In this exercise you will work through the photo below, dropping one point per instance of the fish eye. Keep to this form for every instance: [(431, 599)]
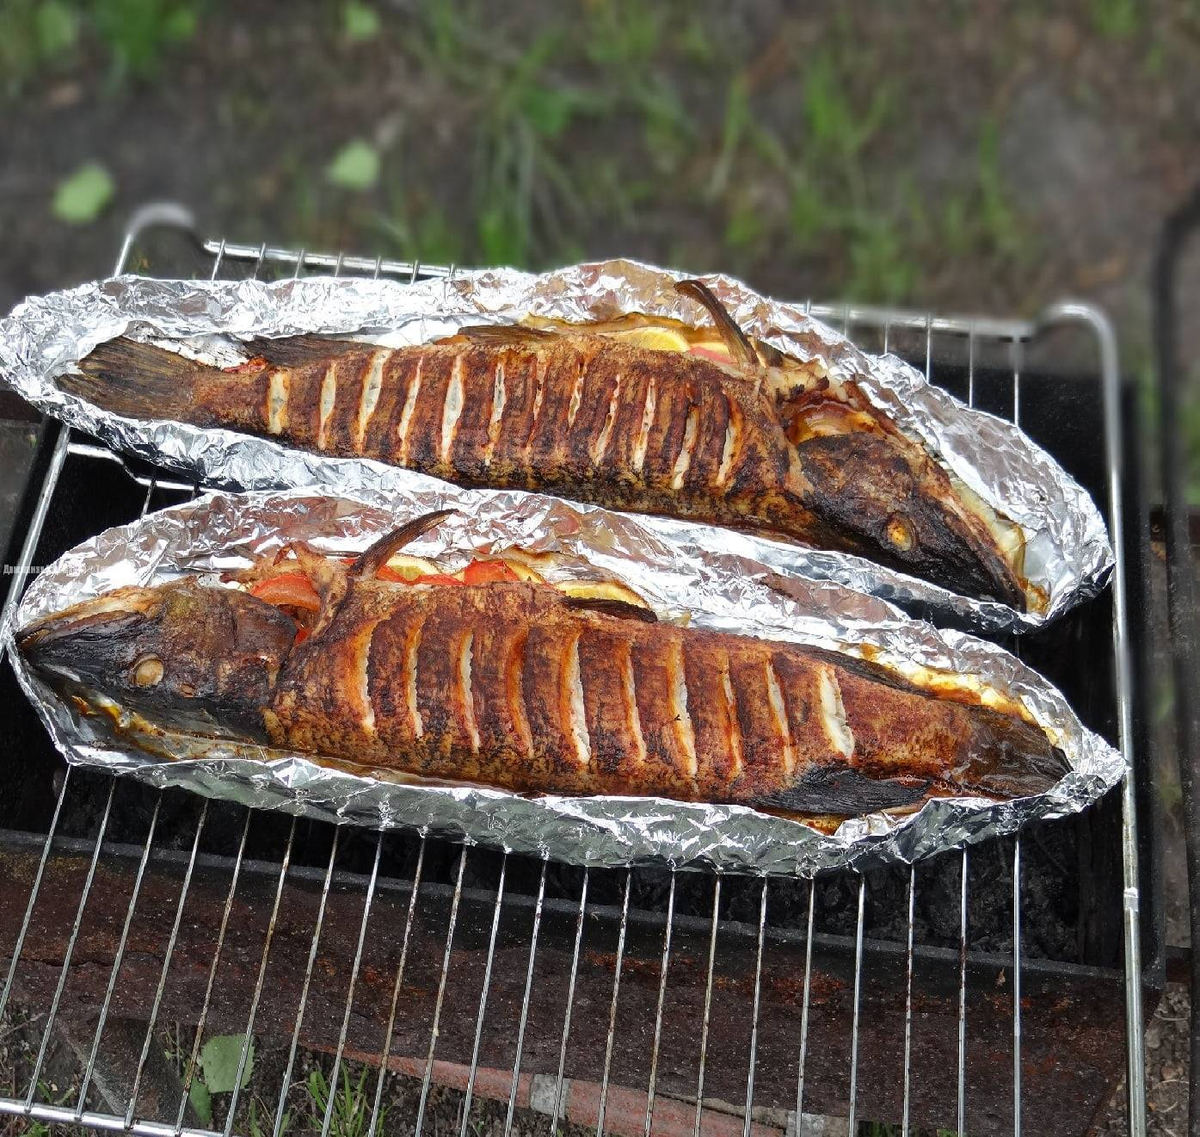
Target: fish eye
[(900, 532), (148, 671)]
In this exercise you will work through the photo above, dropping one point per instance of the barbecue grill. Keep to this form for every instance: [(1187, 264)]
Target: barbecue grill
[(992, 989)]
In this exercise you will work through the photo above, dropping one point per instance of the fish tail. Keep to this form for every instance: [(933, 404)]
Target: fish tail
[(137, 380)]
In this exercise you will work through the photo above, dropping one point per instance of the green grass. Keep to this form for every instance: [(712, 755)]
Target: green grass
[(36, 37), (536, 193), (47, 37), (350, 1113), (651, 121), (1116, 19)]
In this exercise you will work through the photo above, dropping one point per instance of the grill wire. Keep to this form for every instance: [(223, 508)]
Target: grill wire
[(137, 1117)]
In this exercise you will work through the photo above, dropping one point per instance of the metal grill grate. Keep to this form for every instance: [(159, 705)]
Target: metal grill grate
[(563, 989)]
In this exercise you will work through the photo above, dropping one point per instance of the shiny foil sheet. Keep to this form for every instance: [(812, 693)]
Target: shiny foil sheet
[(1068, 553), (715, 589)]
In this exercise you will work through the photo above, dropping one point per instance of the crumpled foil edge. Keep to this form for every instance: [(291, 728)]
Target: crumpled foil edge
[(1068, 552), (715, 588)]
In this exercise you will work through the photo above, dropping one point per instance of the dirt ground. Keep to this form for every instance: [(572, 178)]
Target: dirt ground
[(971, 158)]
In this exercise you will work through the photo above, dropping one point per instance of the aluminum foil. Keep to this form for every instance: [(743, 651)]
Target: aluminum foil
[(1068, 553), (712, 589)]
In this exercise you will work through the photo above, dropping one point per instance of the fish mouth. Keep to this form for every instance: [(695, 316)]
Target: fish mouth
[(92, 641)]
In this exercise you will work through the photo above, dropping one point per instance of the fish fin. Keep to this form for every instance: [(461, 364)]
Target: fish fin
[(843, 790), (373, 559), (328, 576), (292, 351), (736, 343), (501, 334), (608, 607), (136, 379)]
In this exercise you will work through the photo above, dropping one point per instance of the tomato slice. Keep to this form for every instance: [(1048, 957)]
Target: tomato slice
[(301, 635), (289, 589), (436, 578), (386, 572), (709, 353), (488, 572)]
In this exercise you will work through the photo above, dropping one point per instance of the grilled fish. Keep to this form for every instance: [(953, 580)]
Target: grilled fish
[(493, 677), (641, 414)]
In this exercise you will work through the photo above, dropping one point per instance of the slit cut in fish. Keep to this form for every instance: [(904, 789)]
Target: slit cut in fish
[(329, 387), (576, 394), (643, 434), (685, 732), (779, 713), (833, 713), (684, 461), (412, 646), (539, 394), (277, 401), (362, 671), (576, 715), (514, 668), (372, 384), (729, 451), (632, 717), (736, 761), (497, 412), (452, 408), (600, 447), (465, 691), (406, 413)]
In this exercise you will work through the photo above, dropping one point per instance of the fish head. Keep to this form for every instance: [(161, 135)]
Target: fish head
[(182, 654), (885, 498)]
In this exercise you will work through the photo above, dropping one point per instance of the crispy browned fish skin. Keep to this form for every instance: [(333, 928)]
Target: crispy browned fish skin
[(507, 685), (516, 686), (591, 418)]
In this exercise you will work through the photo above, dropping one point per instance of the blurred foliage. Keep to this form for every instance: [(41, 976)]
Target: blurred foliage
[(82, 196), (1116, 19), (46, 37), (355, 166), (360, 22), (610, 116)]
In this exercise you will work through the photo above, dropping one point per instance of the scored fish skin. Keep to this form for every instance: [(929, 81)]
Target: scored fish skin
[(782, 449), (575, 413), (517, 686), (507, 686)]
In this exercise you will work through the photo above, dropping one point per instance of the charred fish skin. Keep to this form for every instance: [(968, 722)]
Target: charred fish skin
[(597, 419)]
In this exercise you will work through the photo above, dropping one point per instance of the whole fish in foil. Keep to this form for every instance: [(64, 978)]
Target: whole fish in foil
[(495, 675), (637, 413)]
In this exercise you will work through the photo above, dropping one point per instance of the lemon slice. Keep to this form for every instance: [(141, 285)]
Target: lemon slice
[(412, 567), (523, 571), (600, 590), (653, 338)]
